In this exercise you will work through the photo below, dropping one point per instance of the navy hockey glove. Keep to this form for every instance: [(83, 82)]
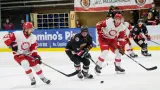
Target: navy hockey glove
[(38, 59), (85, 53), (88, 56), (14, 46)]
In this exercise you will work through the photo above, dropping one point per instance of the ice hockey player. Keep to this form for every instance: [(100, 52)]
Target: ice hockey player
[(77, 50), (23, 44), (111, 35), (139, 33), (128, 45)]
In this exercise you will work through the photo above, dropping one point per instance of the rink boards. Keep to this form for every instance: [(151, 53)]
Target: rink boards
[(56, 39)]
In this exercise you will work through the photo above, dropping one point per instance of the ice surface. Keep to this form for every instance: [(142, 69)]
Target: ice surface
[(12, 76)]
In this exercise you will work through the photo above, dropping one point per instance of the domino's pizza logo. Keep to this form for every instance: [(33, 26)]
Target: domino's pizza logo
[(85, 4), (140, 2)]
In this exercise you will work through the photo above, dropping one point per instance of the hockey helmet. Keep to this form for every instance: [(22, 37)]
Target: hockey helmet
[(118, 16), (140, 21), (84, 29), (27, 25)]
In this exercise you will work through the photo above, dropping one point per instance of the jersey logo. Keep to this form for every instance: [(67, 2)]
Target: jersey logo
[(112, 32), (77, 39), (135, 29), (25, 45)]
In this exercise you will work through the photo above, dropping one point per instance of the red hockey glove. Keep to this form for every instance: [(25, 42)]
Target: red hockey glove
[(148, 37)]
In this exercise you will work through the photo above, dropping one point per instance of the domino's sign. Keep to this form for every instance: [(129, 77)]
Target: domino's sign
[(50, 38)]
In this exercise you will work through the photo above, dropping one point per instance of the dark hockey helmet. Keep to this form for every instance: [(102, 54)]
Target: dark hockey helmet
[(84, 29), (140, 21)]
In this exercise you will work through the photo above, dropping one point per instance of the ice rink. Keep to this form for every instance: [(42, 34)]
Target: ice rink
[(12, 76)]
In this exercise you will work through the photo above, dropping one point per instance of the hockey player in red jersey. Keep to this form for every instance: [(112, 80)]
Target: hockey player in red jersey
[(24, 45), (111, 35), (128, 46)]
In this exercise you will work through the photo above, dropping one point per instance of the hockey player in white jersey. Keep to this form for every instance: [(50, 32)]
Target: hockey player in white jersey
[(111, 35), (24, 45), (128, 45)]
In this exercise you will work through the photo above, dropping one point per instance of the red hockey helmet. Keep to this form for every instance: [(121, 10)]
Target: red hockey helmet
[(27, 25), (118, 16)]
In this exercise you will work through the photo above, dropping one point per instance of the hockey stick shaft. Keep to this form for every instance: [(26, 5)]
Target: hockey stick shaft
[(148, 69), (68, 75), (155, 42), (96, 63)]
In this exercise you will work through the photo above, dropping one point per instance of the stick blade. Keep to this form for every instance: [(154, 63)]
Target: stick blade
[(152, 68), (72, 74)]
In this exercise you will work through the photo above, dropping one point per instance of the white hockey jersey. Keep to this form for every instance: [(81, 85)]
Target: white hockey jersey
[(111, 31), (26, 44)]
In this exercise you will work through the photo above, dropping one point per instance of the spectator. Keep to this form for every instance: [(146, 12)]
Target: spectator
[(112, 11), (150, 19), (135, 16), (7, 25), (154, 11)]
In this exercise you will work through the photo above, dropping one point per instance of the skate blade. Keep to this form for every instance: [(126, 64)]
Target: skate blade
[(81, 79), (98, 74), (118, 72), (88, 78), (33, 86)]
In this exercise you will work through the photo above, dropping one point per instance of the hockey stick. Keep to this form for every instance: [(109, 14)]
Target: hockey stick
[(148, 69), (155, 42), (68, 75), (96, 63)]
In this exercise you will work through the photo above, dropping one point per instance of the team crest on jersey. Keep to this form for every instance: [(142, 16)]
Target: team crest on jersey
[(85, 4), (112, 32), (25, 45), (77, 39), (140, 2), (135, 29)]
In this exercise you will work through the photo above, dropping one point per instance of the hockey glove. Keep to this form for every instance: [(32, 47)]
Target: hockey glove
[(85, 53), (38, 59), (148, 37), (140, 36), (82, 53), (121, 50), (88, 56), (14, 46)]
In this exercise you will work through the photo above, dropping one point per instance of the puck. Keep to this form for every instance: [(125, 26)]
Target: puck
[(102, 81)]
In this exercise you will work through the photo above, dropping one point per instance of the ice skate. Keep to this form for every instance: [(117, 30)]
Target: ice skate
[(87, 75), (118, 69), (79, 75), (33, 81), (145, 53), (133, 55), (45, 80), (97, 70)]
